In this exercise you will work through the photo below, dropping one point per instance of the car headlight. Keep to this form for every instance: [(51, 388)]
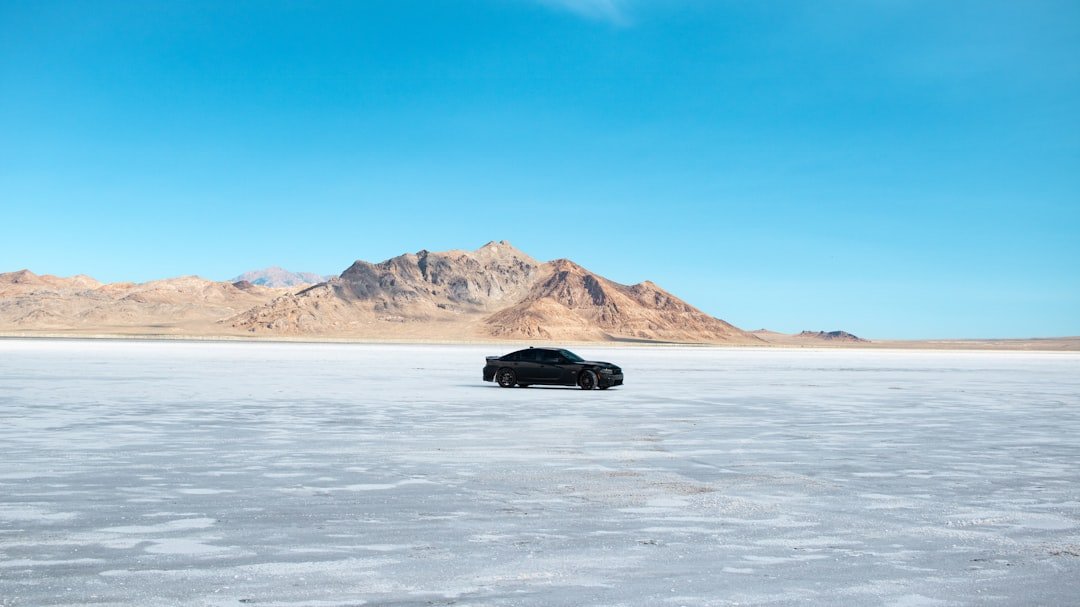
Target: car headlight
[(606, 371)]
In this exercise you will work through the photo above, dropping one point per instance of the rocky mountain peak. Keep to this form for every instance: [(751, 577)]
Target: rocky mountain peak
[(278, 277), (19, 277), (569, 301), (565, 265), (447, 280), (25, 279), (831, 336), (501, 250), (493, 291)]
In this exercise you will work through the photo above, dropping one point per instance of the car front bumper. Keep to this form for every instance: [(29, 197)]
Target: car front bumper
[(607, 381)]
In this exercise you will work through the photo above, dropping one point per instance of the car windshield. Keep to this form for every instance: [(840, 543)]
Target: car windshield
[(574, 358)]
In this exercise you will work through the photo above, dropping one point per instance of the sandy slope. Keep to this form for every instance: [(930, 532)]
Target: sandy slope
[(188, 305), (569, 302)]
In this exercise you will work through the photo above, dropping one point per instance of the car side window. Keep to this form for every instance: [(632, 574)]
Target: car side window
[(550, 357), (526, 356)]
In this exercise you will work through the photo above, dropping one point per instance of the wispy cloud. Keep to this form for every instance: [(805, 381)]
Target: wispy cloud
[(612, 11)]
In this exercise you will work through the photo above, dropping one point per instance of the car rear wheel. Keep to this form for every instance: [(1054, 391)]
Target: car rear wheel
[(587, 381), (506, 378)]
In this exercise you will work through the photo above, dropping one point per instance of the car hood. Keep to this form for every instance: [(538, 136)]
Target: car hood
[(597, 363)]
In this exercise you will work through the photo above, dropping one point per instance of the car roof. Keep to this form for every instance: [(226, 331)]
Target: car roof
[(532, 349)]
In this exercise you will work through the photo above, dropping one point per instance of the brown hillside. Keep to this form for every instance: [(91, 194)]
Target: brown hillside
[(81, 304), (494, 292), (447, 290), (570, 303)]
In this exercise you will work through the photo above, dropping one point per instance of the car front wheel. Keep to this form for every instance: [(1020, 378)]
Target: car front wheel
[(587, 381), (506, 378)]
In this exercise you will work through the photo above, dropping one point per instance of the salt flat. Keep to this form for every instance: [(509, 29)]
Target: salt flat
[(142, 473)]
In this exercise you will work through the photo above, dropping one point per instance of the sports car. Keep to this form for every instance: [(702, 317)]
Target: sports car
[(550, 366)]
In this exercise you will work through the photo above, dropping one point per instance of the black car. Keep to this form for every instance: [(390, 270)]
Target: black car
[(550, 366)]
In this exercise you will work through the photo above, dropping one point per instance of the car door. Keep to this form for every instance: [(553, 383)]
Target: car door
[(526, 368), (549, 366)]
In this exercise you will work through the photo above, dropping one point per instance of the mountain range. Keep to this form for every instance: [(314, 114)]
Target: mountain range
[(495, 292), (810, 338), (275, 277), (187, 305)]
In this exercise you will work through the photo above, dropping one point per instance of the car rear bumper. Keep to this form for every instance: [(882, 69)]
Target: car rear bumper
[(489, 373)]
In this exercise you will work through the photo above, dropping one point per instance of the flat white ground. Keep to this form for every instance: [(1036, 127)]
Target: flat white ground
[(141, 473)]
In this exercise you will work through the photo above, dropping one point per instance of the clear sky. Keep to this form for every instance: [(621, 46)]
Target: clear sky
[(893, 168)]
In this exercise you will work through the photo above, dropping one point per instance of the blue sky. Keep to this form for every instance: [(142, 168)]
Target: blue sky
[(892, 168)]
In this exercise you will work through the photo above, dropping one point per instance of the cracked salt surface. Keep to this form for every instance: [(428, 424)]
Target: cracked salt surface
[(138, 473)]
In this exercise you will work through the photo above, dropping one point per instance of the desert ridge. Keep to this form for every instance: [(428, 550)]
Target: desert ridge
[(569, 302), (812, 338), (496, 292), (492, 294), (183, 306), (276, 278)]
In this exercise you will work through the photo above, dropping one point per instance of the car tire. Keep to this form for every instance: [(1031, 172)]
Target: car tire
[(604, 387), (587, 380), (505, 378)]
